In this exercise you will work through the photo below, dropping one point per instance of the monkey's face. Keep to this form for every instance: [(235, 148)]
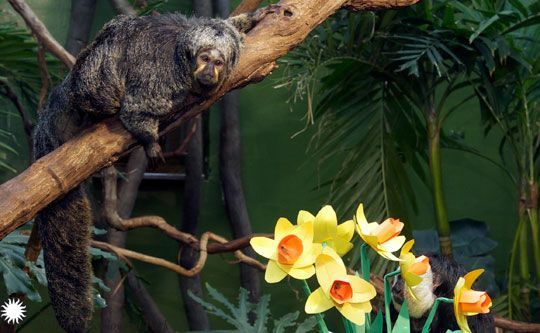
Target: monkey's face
[(423, 298), (209, 69)]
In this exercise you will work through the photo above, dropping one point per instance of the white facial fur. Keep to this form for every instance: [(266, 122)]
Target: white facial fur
[(424, 296)]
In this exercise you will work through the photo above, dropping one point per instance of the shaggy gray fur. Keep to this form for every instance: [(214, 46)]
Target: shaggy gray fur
[(140, 68)]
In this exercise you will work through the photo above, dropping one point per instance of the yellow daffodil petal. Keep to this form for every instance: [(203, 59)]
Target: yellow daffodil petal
[(388, 255), (283, 228), (342, 246), (346, 230), (363, 291), (354, 312), (471, 277), (302, 273), (318, 302), (328, 269), (460, 317), (304, 232), (407, 247), (266, 247), (273, 272), (393, 244), (411, 279), (304, 216), (332, 253), (308, 257), (360, 216), (370, 240), (325, 224)]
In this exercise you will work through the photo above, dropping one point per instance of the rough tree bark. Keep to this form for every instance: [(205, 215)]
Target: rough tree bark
[(153, 317), (230, 174), (112, 315), (195, 312)]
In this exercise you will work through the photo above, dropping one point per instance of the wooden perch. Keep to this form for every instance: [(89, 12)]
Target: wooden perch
[(52, 176)]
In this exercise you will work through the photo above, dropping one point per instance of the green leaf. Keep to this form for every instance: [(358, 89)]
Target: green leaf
[(530, 21), (377, 325), (308, 325), (402, 324), (483, 26), (16, 280), (287, 320)]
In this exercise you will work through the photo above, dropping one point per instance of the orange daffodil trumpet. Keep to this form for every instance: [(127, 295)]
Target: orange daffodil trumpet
[(412, 268), (349, 294), (291, 252), (326, 229), (468, 302), (384, 238)]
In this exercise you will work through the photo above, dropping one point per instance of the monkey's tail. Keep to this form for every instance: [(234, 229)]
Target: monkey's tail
[(64, 228)]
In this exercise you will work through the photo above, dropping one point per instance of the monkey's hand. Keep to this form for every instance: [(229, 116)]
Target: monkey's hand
[(154, 154), (141, 116)]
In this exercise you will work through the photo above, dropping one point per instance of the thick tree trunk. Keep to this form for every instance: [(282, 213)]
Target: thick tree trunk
[(112, 315), (195, 313), (230, 174), (80, 24), (155, 320), (233, 191)]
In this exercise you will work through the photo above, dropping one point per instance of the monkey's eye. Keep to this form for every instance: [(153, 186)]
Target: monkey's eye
[(205, 58), (218, 63)]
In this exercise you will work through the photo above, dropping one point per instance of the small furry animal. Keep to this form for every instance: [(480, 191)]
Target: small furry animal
[(139, 68), (439, 281)]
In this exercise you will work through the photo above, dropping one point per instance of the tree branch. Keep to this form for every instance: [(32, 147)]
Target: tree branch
[(25, 117), (40, 31)]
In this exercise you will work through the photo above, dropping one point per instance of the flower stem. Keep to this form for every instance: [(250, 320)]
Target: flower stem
[(366, 275), (388, 298), (320, 320), (433, 311)]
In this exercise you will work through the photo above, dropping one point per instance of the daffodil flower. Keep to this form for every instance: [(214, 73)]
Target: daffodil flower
[(326, 229), (291, 252), (411, 267), (349, 294), (468, 302), (384, 238)]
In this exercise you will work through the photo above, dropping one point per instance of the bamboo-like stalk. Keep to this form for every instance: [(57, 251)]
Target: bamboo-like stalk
[(524, 273), (533, 219), (443, 227)]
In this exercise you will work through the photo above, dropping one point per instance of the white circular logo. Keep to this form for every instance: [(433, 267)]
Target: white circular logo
[(13, 311)]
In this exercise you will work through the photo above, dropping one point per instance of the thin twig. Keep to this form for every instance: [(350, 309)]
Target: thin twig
[(115, 221), (45, 77), (25, 117), (183, 146)]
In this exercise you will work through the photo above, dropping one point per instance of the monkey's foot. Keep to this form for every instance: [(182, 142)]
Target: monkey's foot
[(154, 154), (262, 12)]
